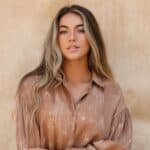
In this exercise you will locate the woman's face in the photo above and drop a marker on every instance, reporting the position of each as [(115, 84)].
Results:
[(72, 39)]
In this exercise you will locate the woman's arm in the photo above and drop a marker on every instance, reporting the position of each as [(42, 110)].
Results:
[(105, 145), (120, 137)]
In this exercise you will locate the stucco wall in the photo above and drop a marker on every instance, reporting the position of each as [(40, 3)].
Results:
[(125, 27)]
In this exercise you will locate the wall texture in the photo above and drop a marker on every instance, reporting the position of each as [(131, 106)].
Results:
[(125, 27)]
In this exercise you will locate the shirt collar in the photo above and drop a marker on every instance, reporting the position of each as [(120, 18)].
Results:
[(95, 79)]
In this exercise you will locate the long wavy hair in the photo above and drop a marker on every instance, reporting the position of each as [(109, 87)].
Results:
[(50, 67)]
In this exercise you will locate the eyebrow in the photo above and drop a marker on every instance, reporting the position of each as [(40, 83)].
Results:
[(65, 26)]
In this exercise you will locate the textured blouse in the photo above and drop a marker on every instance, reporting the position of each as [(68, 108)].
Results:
[(99, 116)]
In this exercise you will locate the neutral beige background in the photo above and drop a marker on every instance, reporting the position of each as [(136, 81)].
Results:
[(125, 27)]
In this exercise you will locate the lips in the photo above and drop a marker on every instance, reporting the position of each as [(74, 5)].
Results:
[(73, 48)]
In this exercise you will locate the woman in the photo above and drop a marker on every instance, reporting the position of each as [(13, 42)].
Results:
[(71, 101)]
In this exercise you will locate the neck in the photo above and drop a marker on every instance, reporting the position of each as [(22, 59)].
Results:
[(76, 71)]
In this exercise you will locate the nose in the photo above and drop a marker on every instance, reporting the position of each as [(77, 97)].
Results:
[(72, 36)]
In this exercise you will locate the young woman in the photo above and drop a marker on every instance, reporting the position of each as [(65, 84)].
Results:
[(71, 100)]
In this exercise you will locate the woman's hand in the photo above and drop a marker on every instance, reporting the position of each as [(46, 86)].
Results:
[(110, 145), (75, 148)]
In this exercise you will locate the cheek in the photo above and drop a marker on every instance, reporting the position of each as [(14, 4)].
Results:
[(62, 45), (85, 43), (61, 42)]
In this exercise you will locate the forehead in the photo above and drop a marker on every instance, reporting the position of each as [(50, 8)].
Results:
[(71, 19)]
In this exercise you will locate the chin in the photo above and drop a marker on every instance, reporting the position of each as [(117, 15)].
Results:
[(73, 57)]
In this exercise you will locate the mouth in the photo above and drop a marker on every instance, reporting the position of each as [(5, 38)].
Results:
[(73, 48)]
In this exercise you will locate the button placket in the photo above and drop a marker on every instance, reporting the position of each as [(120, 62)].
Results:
[(76, 105), (85, 93)]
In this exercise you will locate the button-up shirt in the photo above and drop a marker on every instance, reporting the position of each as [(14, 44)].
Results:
[(61, 122)]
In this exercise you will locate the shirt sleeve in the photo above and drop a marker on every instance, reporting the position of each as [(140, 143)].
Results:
[(120, 135), (25, 138), (121, 126)]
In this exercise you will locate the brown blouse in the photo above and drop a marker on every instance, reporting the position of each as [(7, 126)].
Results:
[(62, 122)]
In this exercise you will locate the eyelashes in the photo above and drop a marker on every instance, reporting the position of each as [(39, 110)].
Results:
[(62, 32), (81, 30), (65, 31)]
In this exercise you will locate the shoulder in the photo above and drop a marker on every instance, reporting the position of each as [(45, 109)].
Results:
[(113, 91), (114, 97), (112, 85), (26, 87), (28, 83)]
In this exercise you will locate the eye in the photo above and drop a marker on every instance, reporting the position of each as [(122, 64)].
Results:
[(81, 30), (62, 32)]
